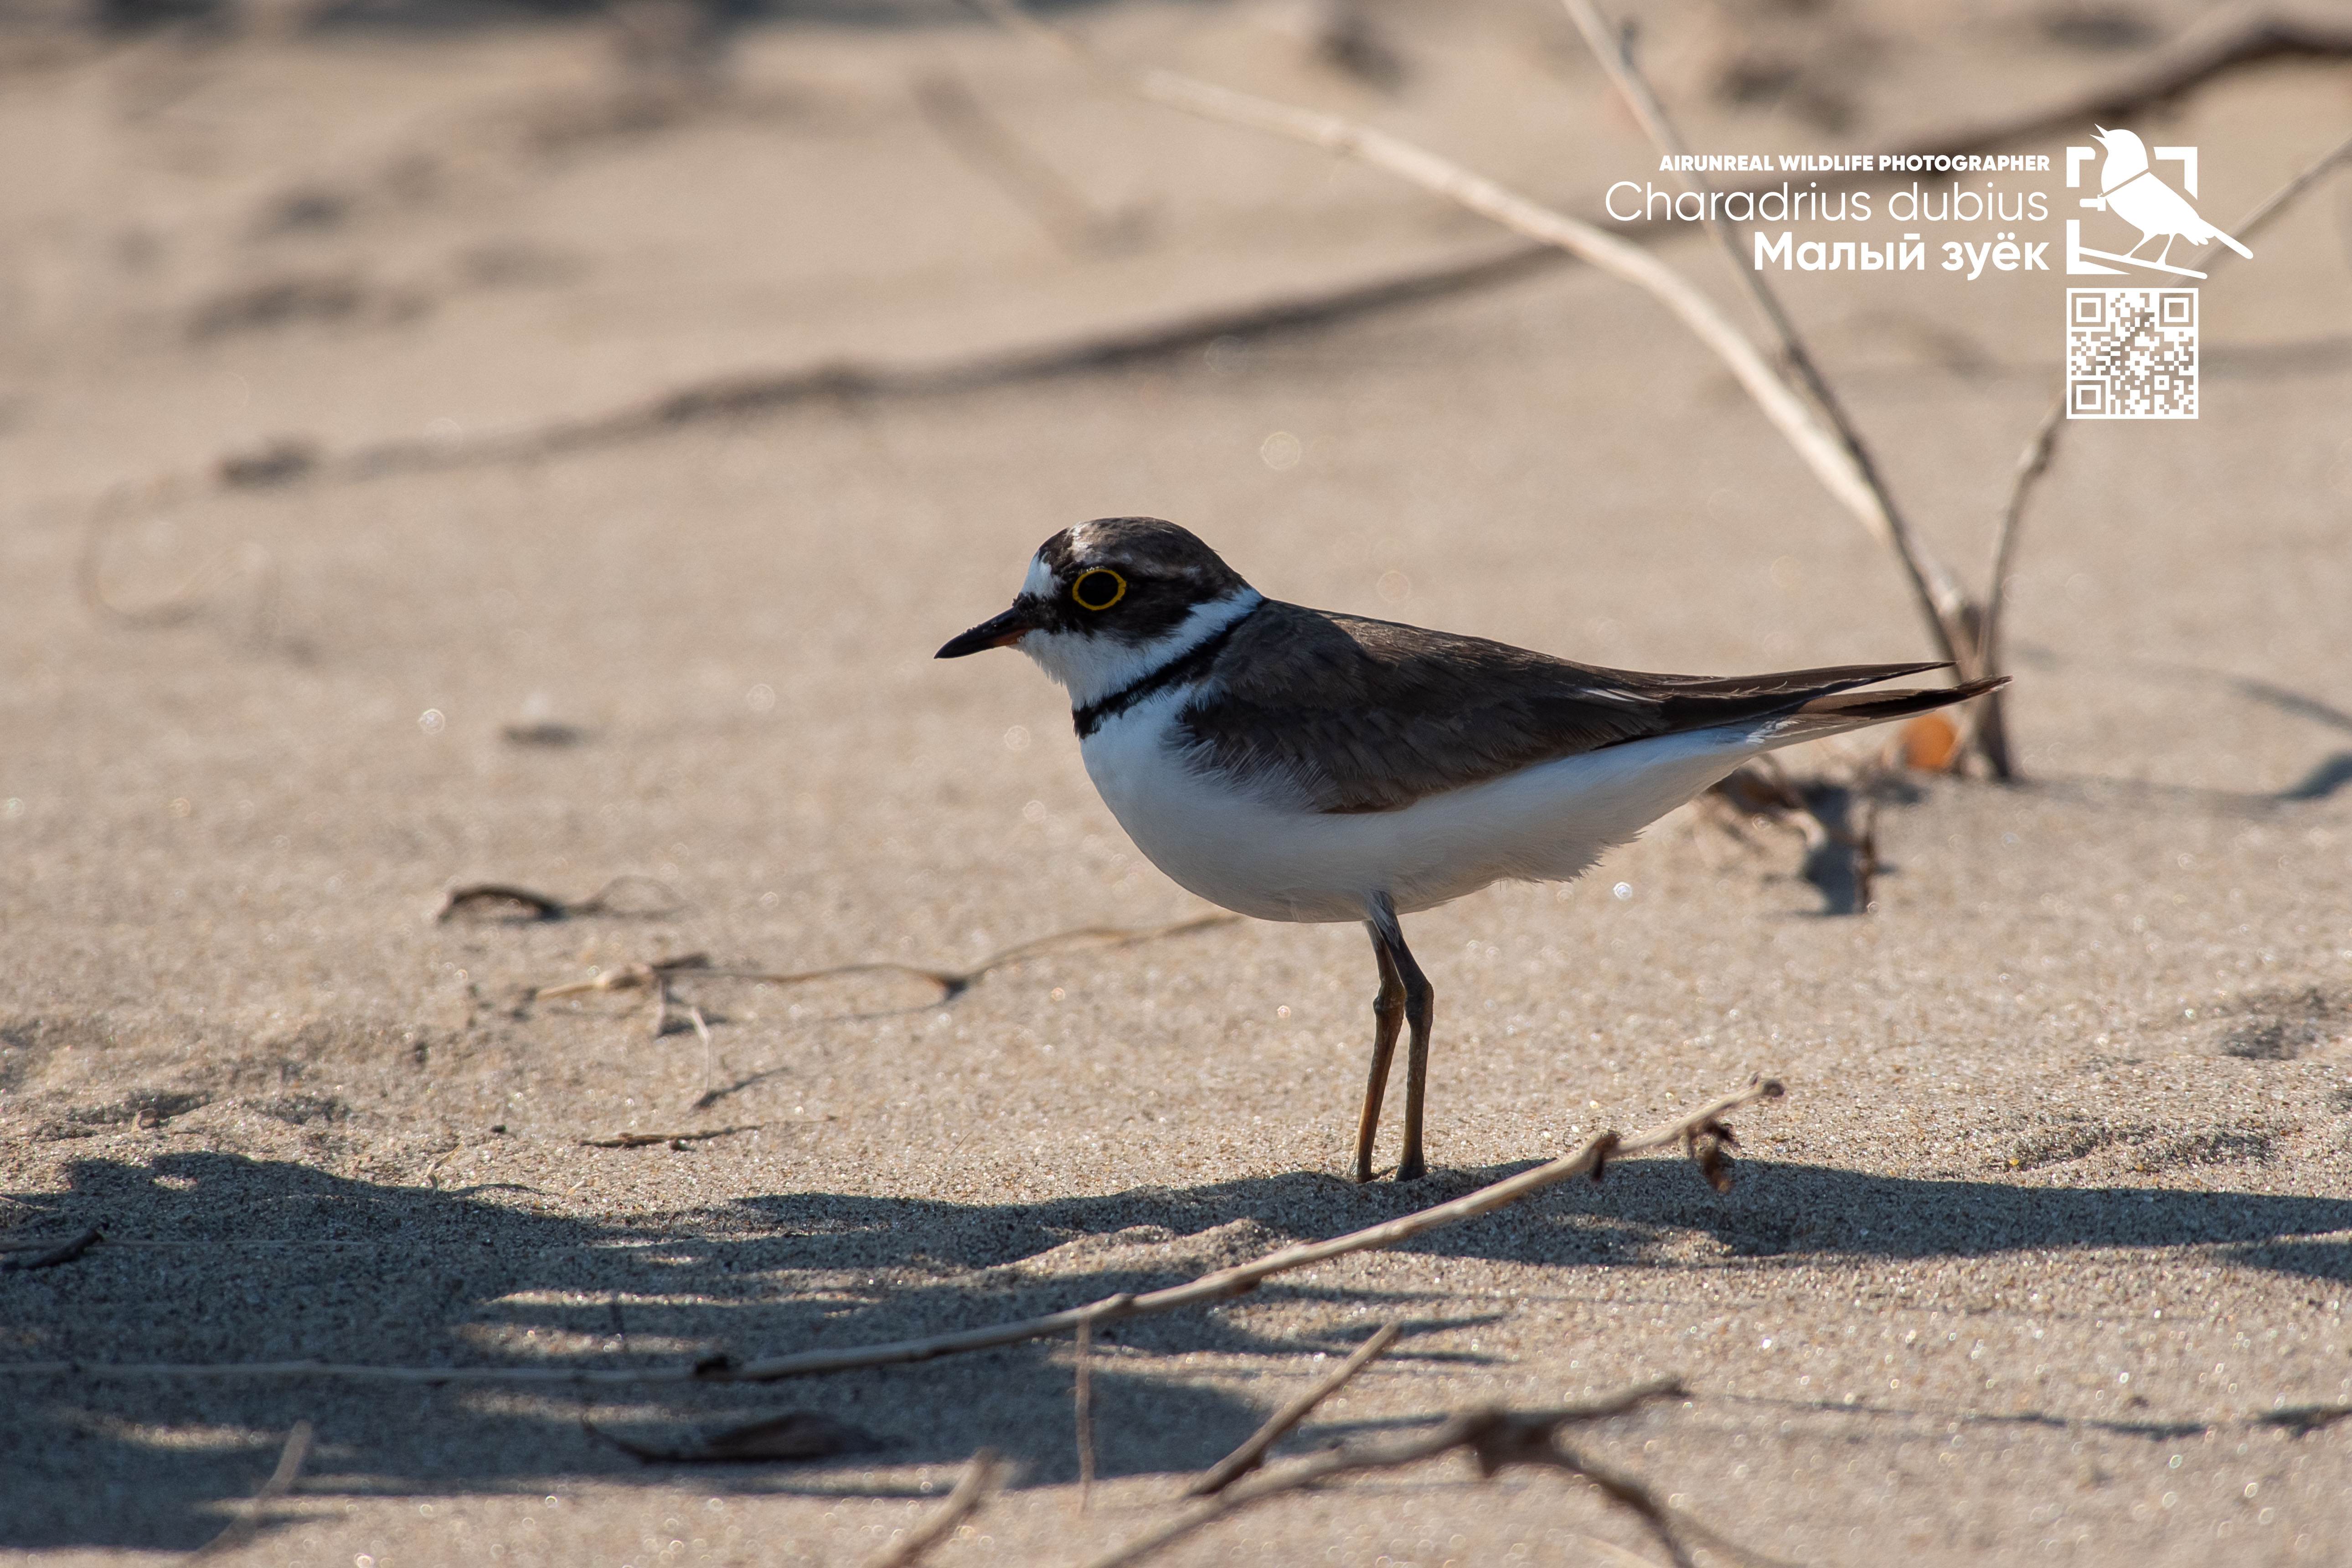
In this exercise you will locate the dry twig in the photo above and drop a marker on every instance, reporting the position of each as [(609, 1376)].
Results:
[(976, 136), (654, 977), (1815, 444), (1942, 600), (2033, 463), (538, 906), (981, 1477), (1085, 1410), (1960, 628), (2232, 42), (2227, 41), (1496, 1438), (64, 1252), (657, 976), (653, 1139), (2274, 204), (1591, 1159), (1824, 439), (1252, 1451), (2041, 448), (281, 1480)]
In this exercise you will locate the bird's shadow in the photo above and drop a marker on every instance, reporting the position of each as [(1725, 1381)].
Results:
[(216, 1258)]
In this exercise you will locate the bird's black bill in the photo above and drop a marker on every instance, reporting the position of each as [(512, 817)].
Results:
[(1000, 632)]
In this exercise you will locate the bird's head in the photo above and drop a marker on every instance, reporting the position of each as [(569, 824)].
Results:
[(1102, 596)]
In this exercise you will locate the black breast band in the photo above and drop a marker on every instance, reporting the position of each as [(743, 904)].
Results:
[(1191, 663)]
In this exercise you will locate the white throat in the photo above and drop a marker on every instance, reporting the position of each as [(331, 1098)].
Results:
[(1092, 667)]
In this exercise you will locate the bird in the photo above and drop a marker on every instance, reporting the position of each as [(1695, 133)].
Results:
[(2131, 188), (1298, 765)]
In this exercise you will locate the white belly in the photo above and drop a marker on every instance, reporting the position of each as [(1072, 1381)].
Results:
[(1278, 862)]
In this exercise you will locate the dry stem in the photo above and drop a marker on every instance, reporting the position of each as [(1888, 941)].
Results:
[(2274, 204), (2227, 41), (2032, 464), (1942, 600), (281, 1481), (657, 975), (652, 1140), (1819, 448), (1591, 1159), (541, 906), (2041, 448), (1086, 1407), (1823, 437), (981, 1477), (2232, 42), (49, 1258), (976, 136), (1496, 1438), (1252, 1451)]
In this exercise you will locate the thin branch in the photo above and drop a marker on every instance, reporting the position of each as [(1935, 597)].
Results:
[(1085, 1415), (1496, 1438), (49, 1258), (538, 906), (967, 130), (281, 1481), (739, 395), (2231, 42), (653, 1139), (1591, 1159), (981, 1477), (2032, 464), (1819, 448), (2273, 205), (1942, 600), (656, 975), (1252, 1451), (2041, 448)]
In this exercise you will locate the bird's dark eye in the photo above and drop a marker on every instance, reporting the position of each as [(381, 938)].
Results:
[(1098, 588)]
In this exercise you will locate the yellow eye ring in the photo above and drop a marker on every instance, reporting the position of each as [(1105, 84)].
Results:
[(1088, 591)]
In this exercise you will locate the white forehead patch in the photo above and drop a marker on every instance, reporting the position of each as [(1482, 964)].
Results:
[(1039, 583)]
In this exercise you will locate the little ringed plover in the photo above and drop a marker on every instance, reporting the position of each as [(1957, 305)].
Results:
[(1298, 765)]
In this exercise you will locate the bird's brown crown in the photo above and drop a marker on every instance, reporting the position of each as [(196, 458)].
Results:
[(1133, 578)]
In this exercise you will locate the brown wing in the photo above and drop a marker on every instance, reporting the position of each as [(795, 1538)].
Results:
[(1365, 715)]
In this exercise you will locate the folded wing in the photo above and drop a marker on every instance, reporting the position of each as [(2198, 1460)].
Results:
[(1361, 715)]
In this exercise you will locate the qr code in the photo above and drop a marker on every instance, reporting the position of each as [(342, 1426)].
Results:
[(2131, 354)]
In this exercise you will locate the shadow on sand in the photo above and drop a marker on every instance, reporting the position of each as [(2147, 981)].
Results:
[(215, 1257)]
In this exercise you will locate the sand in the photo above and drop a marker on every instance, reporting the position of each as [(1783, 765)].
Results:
[(2055, 1218)]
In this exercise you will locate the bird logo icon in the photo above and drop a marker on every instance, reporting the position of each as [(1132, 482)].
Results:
[(2131, 189)]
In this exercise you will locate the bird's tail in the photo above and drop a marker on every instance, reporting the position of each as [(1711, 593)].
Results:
[(1844, 710), (2233, 245)]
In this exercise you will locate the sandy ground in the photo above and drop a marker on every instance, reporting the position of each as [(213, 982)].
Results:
[(2056, 1218)]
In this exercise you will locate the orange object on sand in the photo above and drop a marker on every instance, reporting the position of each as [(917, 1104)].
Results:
[(1931, 742)]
